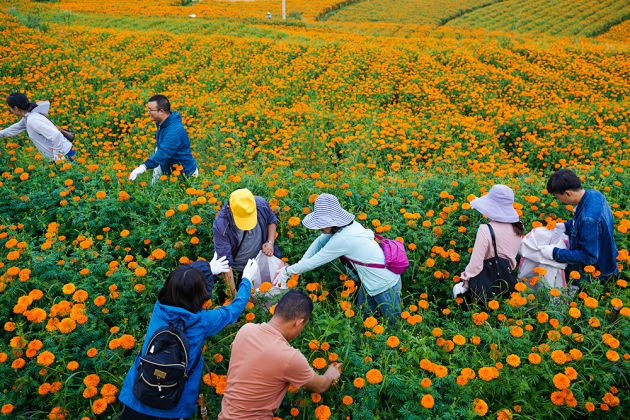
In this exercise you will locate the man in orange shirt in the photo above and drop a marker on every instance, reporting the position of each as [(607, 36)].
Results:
[(263, 363)]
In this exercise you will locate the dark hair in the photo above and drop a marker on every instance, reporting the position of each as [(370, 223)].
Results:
[(519, 228), (162, 102), (563, 180), (185, 287), (20, 100), (335, 229), (294, 304)]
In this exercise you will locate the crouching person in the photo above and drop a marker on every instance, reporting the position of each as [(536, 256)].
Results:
[(263, 363), (163, 382)]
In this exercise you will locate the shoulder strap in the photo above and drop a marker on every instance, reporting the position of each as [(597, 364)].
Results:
[(366, 264), (494, 241)]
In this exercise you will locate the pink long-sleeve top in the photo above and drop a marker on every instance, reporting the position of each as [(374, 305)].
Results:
[(508, 244)]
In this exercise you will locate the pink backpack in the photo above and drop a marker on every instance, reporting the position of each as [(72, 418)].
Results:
[(396, 259)]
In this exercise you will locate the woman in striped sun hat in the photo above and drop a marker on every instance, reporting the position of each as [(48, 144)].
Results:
[(342, 237)]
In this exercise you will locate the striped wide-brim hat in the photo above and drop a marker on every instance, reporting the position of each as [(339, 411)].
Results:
[(327, 213)]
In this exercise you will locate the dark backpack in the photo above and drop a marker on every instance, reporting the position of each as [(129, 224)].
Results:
[(164, 369), (496, 280), (396, 259)]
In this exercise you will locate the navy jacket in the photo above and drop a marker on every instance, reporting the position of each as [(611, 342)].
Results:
[(591, 236), (224, 229), (173, 146), (199, 326)]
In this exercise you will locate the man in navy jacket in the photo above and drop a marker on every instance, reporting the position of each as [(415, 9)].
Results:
[(172, 142), (590, 232)]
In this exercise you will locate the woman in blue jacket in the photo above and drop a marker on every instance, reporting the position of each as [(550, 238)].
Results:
[(180, 301)]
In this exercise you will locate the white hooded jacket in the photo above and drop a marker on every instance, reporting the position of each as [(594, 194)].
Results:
[(42, 132)]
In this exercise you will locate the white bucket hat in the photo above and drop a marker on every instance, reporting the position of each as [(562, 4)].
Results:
[(327, 213), (497, 204)]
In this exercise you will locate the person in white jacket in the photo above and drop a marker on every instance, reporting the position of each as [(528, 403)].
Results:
[(43, 133)]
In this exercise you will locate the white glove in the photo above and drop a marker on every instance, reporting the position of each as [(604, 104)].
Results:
[(218, 266), (251, 270), (560, 228), (282, 278), (459, 289), (547, 251), (139, 170)]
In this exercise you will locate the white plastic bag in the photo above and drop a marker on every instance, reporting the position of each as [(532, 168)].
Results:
[(268, 268), (531, 258)]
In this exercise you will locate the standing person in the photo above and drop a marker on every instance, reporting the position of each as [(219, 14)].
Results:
[(343, 237), (263, 363), (180, 302), (242, 228), (43, 133), (590, 231), (173, 144), (508, 230)]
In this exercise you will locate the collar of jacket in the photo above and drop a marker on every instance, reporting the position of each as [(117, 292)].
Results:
[(166, 122)]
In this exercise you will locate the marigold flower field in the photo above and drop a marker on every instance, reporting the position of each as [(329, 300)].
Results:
[(406, 122)]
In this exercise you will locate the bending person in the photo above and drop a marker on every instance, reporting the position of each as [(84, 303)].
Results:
[(43, 133), (180, 302), (263, 363), (343, 237)]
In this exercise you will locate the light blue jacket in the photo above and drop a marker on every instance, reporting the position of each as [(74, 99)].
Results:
[(199, 326), (356, 243)]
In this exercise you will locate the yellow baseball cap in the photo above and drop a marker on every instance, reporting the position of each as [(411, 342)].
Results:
[(243, 207)]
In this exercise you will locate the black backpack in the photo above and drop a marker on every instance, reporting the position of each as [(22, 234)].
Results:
[(496, 280), (164, 368)]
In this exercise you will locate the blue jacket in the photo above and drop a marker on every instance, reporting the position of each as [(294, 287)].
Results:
[(224, 229), (199, 326), (173, 146), (591, 236)]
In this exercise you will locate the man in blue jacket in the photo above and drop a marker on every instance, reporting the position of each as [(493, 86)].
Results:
[(590, 232), (172, 143), (242, 228)]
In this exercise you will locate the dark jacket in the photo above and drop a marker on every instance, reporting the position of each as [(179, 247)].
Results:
[(199, 326), (224, 229), (591, 236), (173, 146)]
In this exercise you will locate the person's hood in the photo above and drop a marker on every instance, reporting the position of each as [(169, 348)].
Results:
[(42, 107), (172, 314)]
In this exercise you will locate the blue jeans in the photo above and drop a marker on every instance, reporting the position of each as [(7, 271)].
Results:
[(388, 302), (70, 155)]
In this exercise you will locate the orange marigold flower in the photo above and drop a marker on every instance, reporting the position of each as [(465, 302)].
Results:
[(480, 407), (393, 341), (319, 363), (347, 400), (358, 383), (45, 358), (374, 376), (534, 358), (559, 357), (322, 412), (72, 365), (7, 408), (427, 401), (158, 253), (561, 381), (99, 406), (513, 360), (370, 322)]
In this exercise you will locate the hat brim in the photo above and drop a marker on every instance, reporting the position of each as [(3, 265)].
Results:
[(319, 221), (246, 223), (498, 213)]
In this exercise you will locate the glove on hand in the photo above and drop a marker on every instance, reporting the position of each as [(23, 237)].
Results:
[(139, 170), (547, 251), (218, 266), (251, 270), (459, 289)]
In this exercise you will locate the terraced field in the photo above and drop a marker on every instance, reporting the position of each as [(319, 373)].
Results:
[(554, 17)]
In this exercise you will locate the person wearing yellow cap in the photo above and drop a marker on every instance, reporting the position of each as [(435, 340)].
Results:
[(242, 228)]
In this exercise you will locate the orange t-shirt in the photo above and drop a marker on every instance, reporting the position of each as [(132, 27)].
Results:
[(262, 365)]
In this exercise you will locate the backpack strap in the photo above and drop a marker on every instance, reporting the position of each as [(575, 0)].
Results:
[(494, 241), (377, 238)]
